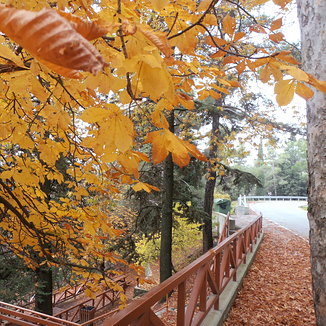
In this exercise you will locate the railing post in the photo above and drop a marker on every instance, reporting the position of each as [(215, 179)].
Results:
[(181, 304), (217, 276), (203, 294), (234, 253)]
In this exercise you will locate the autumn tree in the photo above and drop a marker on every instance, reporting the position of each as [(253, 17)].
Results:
[(71, 77), (312, 17)]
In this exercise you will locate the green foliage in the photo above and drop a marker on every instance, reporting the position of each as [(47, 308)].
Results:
[(16, 280), (281, 174)]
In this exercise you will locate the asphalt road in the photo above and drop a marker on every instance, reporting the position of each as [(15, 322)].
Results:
[(285, 213)]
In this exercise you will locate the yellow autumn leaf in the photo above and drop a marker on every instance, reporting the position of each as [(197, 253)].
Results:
[(159, 119), (203, 5), (144, 186), (150, 78), (304, 91), (130, 163), (5, 52), (284, 90), (94, 114), (160, 144), (159, 4), (296, 73), (89, 293), (229, 24)]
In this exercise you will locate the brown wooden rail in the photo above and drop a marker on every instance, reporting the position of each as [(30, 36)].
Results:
[(69, 317), (102, 300), (212, 272), (26, 317), (61, 295)]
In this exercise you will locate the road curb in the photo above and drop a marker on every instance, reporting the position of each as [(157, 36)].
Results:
[(217, 317)]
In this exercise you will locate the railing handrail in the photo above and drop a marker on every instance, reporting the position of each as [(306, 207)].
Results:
[(136, 309), (277, 197)]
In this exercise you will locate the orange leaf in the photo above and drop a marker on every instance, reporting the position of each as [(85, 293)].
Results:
[(241, 67), (282, 3), (304, 91), (319, 84), (185, 100), (277, 37), (218, 54), (276, 24), (164, 141), (193, 150), (231, 59), (159, 119), (229, 24), (50, 37), (63, 71), (157, 38), (239, 36), (159, 145), (88, 29), (265, 74), (288, 58), (258, 29)]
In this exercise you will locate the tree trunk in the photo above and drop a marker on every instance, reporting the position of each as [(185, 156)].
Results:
[(43, 290), (312, 17), (167, 210), (210, 184)]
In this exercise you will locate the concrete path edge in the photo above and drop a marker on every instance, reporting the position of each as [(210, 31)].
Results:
[(227, 297)]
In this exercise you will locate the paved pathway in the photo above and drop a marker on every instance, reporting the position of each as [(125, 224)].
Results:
[(286, 213)]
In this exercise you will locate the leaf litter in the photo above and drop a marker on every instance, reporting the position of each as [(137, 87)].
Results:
[(277, 289)]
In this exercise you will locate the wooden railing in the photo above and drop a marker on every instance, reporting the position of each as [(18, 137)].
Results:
[(210, 274), (68, 317), (102, 300), (61, 295), (26, 317), (269, 198)]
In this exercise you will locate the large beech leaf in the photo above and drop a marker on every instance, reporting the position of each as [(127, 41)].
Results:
[(90, 30), (51, 38)]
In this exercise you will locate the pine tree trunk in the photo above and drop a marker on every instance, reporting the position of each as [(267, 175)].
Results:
[(312, 17), (210, 184), (167, 209), (43, 290)]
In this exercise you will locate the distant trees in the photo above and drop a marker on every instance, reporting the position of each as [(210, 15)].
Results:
[(280, 174)]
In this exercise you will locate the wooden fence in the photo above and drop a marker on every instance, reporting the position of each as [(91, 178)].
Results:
[(197, 287)]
